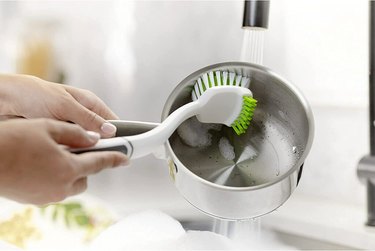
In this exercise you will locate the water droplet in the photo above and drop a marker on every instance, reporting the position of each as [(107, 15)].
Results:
[(277, 172), (294, 149)]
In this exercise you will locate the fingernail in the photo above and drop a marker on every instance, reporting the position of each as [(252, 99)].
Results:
[(108, 129), (93, 136), (124, 162)]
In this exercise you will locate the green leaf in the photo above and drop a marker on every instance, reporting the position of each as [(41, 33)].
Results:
[(72, 206), (55, 213), (67, 220), (82, 220)]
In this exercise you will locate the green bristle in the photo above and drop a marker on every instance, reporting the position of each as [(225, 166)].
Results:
[(209, 81), (204, 88), (243, 120), (215, 80)]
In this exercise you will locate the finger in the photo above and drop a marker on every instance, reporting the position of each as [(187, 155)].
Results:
[(91, 102), (94, 162), (71, 135), (89, 120), (7, 117), (78, 186)]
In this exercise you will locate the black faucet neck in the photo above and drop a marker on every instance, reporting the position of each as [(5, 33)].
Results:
[(256, 14)]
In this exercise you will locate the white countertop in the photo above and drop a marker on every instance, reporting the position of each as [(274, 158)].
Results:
[(324, 220)]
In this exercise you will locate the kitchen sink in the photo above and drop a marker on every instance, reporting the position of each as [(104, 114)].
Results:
[(273, 239)]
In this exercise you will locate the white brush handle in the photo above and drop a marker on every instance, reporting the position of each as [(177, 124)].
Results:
[(142, 144)]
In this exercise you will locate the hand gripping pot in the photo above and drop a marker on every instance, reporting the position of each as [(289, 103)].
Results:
[(268, 158)]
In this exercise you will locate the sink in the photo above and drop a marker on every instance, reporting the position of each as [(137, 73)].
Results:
[(303, 243), (273, 239)]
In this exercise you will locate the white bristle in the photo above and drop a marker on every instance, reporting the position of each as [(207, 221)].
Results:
[(245, 82), (201, 89), (193, 95), (231, 78), (212, 79), (218, 78), (221, 78), (225, 78), (238, 80), (205, 80), (196, 88)]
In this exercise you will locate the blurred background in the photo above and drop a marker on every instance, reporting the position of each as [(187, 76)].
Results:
[(133, 53)]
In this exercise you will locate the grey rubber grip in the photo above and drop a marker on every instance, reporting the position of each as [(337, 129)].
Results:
[(119, 144), (122, 149)]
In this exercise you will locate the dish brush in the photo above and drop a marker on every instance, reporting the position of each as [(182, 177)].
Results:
[(215, 79), (225, 100)]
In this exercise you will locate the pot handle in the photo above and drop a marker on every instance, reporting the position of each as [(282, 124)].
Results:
[(300, 173), (129, 128)]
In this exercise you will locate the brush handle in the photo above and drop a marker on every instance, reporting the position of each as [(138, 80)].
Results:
[(120, 144), (137, 146), (147, 142), (130, 128)]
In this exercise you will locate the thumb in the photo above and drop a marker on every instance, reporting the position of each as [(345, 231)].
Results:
[(72, 135)]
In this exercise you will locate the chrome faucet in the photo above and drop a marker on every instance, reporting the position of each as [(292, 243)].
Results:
[(366, 166)]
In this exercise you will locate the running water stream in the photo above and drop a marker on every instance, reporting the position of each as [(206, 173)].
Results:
[(252, 46), (245, 231), (239, 231)]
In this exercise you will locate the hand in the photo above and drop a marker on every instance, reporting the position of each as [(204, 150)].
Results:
[(31, 97), (35, 167)]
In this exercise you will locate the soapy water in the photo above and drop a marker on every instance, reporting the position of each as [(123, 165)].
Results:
[(226, 149), (155, 230), (196, 134), (294, 149), (261, 155)]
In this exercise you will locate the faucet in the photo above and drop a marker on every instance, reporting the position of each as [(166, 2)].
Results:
[(256, 14), (366, 166)]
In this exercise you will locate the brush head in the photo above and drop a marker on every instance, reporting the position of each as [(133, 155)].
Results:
[(226, 99), (243, 121)]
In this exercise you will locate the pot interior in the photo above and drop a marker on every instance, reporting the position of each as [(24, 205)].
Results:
[(273, 146)]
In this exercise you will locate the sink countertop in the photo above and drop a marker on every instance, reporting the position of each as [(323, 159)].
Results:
[(324, 220)]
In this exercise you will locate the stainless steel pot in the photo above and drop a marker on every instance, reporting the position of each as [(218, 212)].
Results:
[(268, 158)]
